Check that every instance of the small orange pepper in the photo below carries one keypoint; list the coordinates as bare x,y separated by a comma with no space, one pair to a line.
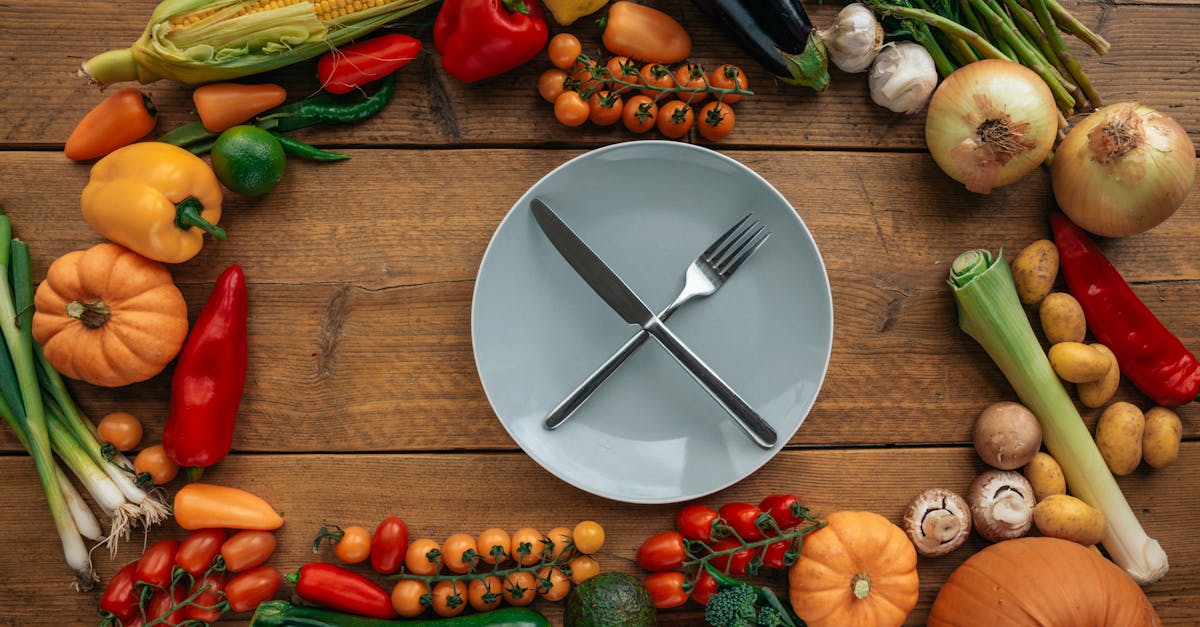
225,105
124,117
208,506
640,32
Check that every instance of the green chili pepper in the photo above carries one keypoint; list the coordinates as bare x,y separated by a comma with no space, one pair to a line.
300,149
190,135
328,108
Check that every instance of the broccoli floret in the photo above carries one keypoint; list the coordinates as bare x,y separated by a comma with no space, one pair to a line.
768,617
732,607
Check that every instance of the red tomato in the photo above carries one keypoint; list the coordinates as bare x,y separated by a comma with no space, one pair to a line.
666,589
154,569
675,119
735,563
247,549
160,606
786,509
206,603
197,551
715,121
729,77
697,522
704,587
350,67
775,555
691,76
388,545
119,598
662,552
743,518
251,587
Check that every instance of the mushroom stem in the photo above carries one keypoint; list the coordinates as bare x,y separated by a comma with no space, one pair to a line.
1011,511
941,525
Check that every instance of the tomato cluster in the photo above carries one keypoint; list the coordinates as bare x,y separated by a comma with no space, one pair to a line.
737,539
643,97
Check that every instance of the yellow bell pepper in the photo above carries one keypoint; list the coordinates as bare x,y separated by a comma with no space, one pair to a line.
154,198
567,11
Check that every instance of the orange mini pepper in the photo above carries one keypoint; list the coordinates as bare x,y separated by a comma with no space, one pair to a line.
119,120
155,199
208,506
644,33
225,105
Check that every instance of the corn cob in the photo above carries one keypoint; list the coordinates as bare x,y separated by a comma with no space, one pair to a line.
201,41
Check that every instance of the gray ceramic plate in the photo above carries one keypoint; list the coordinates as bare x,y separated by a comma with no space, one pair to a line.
650,434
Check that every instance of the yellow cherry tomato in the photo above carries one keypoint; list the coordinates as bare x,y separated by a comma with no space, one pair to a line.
120,429
583,568
520,588
485,594
154,460
406,597
355,545
589,536
449,598
553,585
417,558
494,543
561,542
459,553
527,546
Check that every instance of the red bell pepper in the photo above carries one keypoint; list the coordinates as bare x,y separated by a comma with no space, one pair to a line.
350,67
209,377
482,38
343,590
1150,355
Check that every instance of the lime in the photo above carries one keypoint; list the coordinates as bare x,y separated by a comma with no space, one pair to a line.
248,160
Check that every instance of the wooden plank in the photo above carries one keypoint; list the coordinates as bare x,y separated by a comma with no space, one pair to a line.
442,494
1152,60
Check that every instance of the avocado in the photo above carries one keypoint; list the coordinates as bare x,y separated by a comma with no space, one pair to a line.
610,600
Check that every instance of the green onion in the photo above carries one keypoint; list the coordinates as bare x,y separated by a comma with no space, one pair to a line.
990,312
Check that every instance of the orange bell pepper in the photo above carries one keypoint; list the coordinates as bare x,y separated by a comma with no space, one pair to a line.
225,105
208,506
119,120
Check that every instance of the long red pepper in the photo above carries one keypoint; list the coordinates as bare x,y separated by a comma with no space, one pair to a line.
340,589
1148,354
209,377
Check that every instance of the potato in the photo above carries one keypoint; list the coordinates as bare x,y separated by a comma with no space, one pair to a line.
1077,362
1066,517
1034,270
1046,476
1160,440
1096,393
1119,437
1062,318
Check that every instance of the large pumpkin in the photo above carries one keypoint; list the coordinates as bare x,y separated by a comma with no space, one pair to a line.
860,569
109,316
1041,581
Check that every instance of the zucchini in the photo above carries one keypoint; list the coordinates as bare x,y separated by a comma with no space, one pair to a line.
779,35
284,614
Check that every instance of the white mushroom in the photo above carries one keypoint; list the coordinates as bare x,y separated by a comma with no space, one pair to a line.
1001,505
1007,435
937,521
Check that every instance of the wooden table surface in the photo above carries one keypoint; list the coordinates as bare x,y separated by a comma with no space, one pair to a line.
363,400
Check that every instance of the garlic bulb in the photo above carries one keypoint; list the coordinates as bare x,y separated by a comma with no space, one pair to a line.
854,38
903,77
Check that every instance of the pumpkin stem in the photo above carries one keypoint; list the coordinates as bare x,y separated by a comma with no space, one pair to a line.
93,315
187,215
860,584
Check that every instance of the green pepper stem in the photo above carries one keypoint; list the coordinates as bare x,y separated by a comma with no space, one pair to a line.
187,215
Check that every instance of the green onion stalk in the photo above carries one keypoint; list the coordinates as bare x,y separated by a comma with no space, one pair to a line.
990,312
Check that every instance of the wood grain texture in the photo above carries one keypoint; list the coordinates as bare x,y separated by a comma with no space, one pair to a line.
465,493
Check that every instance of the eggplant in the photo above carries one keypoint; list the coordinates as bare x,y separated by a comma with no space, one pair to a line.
779,35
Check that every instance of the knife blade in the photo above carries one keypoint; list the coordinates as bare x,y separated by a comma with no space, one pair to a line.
592,269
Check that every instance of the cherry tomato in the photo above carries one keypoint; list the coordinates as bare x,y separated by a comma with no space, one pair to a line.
621,68
154,460
459,553
206,603
449,598
663,551
640,114
485,594
691,76
697,522
197,551
154,569
388,545
246,549
583,568
570,109
550,84
519,588
656,75
786,509
119,598
704,587
666,589
589,536
736,563
564,50
728,77
249,588
775,554
605,108
715,121
406,597
552,584
585,78
160,606
494,545
743,518
675,119
355,545
419,554
560,540
120,429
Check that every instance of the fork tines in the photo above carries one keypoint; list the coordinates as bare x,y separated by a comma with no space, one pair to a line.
736,245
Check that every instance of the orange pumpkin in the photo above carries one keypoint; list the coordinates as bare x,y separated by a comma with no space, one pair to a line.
109,316
1041,581
860,569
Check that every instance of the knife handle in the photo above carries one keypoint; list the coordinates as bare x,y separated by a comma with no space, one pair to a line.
559,414
757,428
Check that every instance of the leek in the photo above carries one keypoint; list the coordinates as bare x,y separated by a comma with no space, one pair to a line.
990,312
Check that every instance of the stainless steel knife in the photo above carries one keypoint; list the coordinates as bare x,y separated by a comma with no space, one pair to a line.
617,294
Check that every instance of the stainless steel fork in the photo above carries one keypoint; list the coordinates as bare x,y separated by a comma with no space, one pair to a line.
704,276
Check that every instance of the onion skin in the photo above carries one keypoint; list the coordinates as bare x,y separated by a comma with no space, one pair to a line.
1121,194
989,90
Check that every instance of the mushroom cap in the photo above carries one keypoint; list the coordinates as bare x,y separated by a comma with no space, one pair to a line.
937,521
1007,435
1001,505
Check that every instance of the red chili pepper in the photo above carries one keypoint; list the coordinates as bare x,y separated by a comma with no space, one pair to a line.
482,38
157,564
119,598
350,67
1150,355
786,509
209,376
339,589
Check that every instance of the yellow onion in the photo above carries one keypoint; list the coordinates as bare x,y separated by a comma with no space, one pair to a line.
1123,170
990,123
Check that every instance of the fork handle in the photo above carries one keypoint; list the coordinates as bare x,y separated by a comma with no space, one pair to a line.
581,393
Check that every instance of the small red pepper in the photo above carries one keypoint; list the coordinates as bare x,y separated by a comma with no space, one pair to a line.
482,38
1150,355
209,377
350,67
340,589
120,599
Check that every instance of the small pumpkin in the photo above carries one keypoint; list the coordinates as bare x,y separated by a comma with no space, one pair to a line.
1041,581
109,316
860,569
